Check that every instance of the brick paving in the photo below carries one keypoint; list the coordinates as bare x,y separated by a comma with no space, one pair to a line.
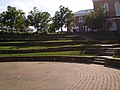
57,76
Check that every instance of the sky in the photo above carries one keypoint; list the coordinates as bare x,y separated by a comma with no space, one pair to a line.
50,6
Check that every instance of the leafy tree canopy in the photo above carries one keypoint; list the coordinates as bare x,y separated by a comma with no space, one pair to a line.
13,18
63,18
96,19
40,20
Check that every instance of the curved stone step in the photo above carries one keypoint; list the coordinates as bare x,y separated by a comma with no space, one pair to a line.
99,62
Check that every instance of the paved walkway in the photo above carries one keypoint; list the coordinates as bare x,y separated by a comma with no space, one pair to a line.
57,76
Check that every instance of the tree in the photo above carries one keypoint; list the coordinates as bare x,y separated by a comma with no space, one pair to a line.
21,21
0,20
96,19
55,25
13,18
63,18
40,20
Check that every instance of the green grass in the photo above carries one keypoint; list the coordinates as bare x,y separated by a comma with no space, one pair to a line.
7,47
34,47
31,47
23,48
61,40
96,39
11,42
64,53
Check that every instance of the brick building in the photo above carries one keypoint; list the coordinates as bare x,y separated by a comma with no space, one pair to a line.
80,20
111,6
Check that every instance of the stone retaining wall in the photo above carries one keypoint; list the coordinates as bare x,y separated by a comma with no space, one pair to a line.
87,50
87,60
117,52
111,62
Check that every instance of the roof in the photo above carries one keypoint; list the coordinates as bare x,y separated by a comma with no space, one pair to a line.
96,0
83,12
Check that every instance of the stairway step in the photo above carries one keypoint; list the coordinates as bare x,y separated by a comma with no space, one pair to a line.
106,57
110,50
108,53
102,57
99,59
99,62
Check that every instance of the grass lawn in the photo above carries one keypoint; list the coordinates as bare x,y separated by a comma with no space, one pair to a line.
63,53
22,48
34,47
54,41
61,40
37,47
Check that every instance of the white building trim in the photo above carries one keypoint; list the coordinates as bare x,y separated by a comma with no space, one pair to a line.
82,12
117,8
113,18
106,7
95,0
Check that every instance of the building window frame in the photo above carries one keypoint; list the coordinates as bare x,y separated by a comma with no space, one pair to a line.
106,7
81,19
117,8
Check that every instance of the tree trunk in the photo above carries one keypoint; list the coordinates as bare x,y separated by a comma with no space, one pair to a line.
61,30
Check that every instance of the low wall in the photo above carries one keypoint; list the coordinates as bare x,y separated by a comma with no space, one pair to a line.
112,62
87,50
109,62
87,60
117,52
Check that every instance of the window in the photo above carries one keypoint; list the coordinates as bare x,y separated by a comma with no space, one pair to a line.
81,19
114,27
106,7
117,8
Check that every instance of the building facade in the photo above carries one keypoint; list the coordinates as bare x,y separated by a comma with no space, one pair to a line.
112,7
80,21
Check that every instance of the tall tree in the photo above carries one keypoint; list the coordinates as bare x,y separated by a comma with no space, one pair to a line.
0,20
40,20
96,19
63,18
13,18
21,21
55,25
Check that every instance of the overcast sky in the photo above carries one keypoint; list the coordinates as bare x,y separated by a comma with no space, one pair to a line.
47,5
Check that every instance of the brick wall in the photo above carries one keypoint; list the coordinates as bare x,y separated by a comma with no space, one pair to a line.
111,4
112,13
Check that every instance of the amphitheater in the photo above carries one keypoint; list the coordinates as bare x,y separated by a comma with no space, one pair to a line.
58,62
57,76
